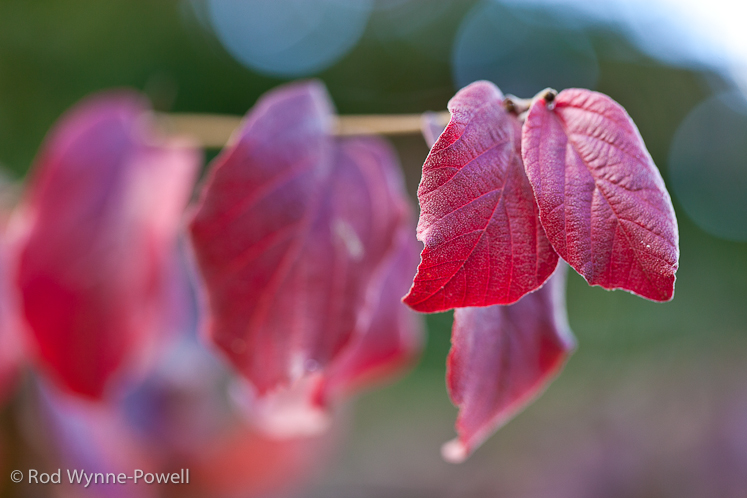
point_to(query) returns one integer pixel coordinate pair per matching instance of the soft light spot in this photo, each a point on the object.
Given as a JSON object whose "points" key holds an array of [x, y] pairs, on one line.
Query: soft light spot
{"points": [[347, 235], [454, 451], [289, 38]]}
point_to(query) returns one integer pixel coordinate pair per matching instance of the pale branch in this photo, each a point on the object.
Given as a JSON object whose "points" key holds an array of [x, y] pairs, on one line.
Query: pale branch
{"points": [[214, 130]]}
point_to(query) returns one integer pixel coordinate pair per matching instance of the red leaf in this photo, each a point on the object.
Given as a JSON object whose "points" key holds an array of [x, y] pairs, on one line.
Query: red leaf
{"points": [[291, 226], [99, 223], [484, 244], [602, 201], [394, 336], [501, 358]]}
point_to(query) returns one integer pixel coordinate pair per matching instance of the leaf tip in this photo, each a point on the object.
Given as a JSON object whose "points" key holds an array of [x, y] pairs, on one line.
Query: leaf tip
{"points": [[667, 294], [424, 305], [412, 302], [285, 413], [454, 451]]}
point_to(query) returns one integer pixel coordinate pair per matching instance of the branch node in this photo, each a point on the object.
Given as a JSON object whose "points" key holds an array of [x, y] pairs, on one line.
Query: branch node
{"points": [[548, 95]]}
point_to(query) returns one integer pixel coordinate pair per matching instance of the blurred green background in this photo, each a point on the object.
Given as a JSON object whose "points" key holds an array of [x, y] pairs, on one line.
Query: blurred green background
{"points": [[653, 403]]}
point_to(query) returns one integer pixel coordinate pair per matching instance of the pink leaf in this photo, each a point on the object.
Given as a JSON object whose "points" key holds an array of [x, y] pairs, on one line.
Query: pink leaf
{"points": [[99, 222], [291, 226], [501, 358], [602, 201], [484, 244]]}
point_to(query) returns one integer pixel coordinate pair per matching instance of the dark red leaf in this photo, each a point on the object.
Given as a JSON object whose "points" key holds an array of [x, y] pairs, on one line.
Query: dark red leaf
{"points": [[291, 226], [483, 240], [501, 358], [99, 222], [602, 201]]}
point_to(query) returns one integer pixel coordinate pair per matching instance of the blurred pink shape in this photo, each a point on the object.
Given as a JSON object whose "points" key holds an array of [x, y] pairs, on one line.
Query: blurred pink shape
{"points": [[394, 335], [77, 435], [95, 231], [295, 234], [179, 418]]}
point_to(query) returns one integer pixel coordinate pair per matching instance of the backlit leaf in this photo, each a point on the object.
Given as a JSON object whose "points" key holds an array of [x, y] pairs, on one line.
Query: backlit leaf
{"points": [[602, 200], [501, 358], [484, 244]]}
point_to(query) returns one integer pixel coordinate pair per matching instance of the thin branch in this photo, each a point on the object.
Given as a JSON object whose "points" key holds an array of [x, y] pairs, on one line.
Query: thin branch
{"points": [[214, 130]]}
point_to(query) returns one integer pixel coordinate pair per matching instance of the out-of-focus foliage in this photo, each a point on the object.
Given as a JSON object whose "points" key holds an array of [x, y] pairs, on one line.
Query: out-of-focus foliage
{"points": [[657, 389]]}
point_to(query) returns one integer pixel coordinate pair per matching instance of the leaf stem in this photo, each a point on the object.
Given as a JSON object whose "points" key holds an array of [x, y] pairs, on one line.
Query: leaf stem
{"points": [[519, 107], [214, 130], [516, 105]]}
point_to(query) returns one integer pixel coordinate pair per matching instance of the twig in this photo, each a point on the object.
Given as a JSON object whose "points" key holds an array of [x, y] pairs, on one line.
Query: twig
{"points": [[214, 130]]}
